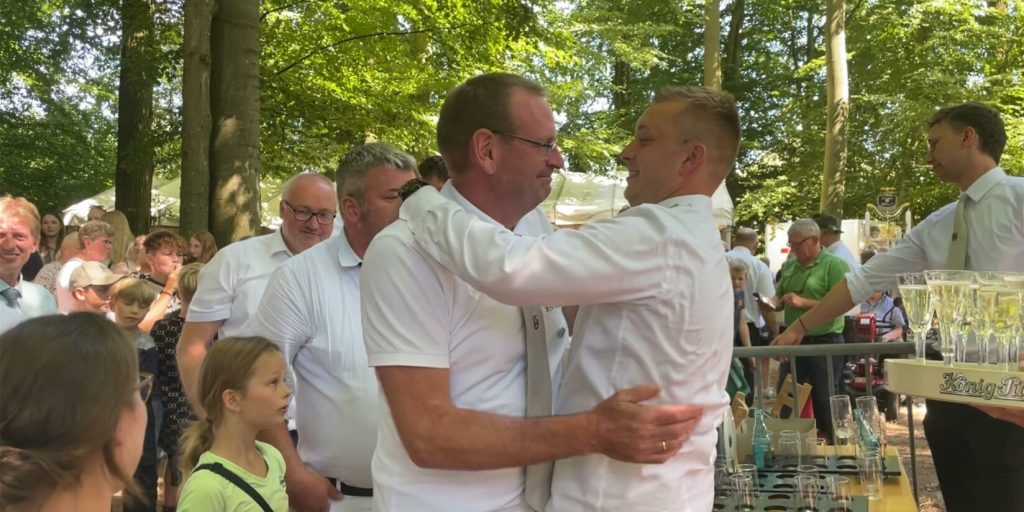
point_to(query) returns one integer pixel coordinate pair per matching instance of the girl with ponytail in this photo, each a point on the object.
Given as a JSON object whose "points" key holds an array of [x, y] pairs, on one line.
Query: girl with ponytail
{"points": [[242, 389], [72, 414]]}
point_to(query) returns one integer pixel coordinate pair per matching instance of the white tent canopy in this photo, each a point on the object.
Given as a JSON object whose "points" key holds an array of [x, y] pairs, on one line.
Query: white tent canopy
{"points": [[575, 199]]}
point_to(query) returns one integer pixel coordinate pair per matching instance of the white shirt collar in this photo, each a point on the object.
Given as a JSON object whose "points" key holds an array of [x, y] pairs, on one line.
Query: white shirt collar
{"points": [[277, 243], [449, 191], [689, 201], [346, 255], [742, 249], [982, 185]]}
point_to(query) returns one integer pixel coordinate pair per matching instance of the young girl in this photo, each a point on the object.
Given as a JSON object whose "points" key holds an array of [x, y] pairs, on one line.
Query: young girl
{"points": [[242, 388], [72, 417], [51, 237], [202, 247]]}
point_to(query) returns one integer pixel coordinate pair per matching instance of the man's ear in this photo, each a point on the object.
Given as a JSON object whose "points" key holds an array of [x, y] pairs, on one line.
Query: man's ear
{"points": [[694, 159], [969, 138], [483, 150], [78, 293], [350, 209]]}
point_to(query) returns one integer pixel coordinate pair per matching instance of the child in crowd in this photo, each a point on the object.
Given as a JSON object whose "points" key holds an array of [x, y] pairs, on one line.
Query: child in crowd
{"points": [[130, 299], [741, 333], [72, 415], [177, 412], [242, 388]]}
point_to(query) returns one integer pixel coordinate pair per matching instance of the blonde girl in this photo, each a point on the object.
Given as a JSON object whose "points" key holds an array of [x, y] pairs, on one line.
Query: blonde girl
{"points": [[242, 389]]}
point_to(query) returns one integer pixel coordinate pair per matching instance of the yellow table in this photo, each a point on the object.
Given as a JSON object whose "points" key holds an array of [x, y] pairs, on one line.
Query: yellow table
{"points": [[896, 493]]}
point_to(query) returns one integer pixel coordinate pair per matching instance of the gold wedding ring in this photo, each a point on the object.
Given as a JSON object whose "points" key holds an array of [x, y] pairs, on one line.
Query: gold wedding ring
{"points": [[664, 447]]}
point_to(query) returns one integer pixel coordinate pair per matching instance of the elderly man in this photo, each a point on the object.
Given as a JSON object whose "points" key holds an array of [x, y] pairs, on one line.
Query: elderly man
{"points": [[979, 457], [636, 277], [831, 228], [19, 238], [90, 287], [806, 278], [760, 282], [95, 241], [231, 284], [311, 308], [459, 369]]}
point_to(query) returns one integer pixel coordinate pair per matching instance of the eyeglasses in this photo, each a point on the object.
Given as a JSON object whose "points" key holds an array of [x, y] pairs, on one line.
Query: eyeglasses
{"points": [[145, 385], [104, 241], [303, 215], [788, 244], [548, 146]]}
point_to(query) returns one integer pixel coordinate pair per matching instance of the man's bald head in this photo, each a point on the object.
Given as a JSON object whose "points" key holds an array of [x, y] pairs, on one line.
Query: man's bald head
{"points": [[745, 237]]}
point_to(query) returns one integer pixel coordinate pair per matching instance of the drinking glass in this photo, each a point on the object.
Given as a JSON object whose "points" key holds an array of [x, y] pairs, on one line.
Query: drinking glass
{"points": [[806, 496], [948, 290], [743, 496], [842, 420], [815, 451], [868, 407], [722, 474], [999, 298], [914, 290], [869, 470], [807, 470], [751, 471], [788, 454], [838, 488]]}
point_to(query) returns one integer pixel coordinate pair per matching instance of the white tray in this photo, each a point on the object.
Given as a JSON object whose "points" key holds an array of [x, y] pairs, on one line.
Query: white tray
{"points": [[961, 382]]}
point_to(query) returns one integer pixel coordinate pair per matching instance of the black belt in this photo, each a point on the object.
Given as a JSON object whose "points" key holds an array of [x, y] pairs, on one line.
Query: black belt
{"points": [[349, 490]]}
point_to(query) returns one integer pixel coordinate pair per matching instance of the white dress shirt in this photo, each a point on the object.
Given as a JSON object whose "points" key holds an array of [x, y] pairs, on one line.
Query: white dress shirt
{"points": [[656, 307], [310, 308], [231, 284], [416, 313], [35, 301], [760, 280], [994, 213]]}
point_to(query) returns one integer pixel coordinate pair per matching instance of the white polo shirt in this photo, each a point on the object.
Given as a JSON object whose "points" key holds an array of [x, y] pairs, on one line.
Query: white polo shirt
{"points": [[416, 313], [759, 280], [994, 212], [310, 309], [655, 307], [231, 284]]}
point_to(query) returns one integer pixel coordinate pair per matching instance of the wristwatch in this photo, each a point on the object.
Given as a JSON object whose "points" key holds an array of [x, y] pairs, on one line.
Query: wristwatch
{"points": [[410, 187]]}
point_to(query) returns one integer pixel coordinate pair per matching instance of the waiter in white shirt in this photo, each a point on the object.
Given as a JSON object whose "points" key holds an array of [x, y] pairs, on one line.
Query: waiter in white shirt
{"points": [[311, 309], [231, 284], [979, 457], [656, 301], [460, 371]]}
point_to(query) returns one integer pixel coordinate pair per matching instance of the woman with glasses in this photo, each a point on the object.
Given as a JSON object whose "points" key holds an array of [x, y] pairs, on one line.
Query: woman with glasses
{"points": [[72, 417]]}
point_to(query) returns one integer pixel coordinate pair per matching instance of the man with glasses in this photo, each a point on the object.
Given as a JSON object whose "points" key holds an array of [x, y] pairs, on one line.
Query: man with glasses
{"points": [[806, 279], [19, 238], [90, 286], [459, 369], [95, 241], [231, 284]]}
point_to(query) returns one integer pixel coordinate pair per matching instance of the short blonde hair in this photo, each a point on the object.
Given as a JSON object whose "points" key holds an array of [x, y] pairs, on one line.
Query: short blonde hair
{"points": [[188, 281], [737, 267], [19, 207], [93, 229], [133, 290]]}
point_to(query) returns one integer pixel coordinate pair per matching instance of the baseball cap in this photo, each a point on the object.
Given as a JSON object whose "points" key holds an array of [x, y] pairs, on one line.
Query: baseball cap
{"points": [[827, 223], [93, 273]]}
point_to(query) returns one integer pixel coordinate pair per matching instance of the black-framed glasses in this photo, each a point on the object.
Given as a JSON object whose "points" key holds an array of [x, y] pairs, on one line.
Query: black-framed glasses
{"points": [[303, 215], [145, 385], [548, 146], [800, 242]]}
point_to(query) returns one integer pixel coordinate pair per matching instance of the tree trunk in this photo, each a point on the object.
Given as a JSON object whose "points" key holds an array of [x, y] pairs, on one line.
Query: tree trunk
{"points": [[195, 143], [712, 45], [134, 168], [622, 78], [838, 110], [733, 46], [235, 112]]}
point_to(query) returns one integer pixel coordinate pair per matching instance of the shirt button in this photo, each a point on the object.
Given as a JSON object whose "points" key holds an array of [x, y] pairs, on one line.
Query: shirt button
{"points": [[561, 332]]}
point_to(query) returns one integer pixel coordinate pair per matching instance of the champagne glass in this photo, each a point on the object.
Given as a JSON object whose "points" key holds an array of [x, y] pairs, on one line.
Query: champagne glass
{"points": [[949, 290], [1000, 300], [914, 290]]}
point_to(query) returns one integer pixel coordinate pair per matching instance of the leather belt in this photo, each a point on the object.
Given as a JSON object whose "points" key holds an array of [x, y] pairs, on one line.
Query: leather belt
{"points": [[350, 490]]}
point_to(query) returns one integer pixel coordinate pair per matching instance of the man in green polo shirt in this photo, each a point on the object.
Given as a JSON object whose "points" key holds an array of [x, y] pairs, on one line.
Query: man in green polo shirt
{"points": [[806, 279]]}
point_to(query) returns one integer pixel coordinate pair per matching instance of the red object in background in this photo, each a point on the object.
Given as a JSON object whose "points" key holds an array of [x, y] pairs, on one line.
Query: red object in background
{"points": [[866, 328]]}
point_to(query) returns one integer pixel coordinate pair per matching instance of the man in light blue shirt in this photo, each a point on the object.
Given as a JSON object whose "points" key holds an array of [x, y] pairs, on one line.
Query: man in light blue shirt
{"points": [[19, 238]]}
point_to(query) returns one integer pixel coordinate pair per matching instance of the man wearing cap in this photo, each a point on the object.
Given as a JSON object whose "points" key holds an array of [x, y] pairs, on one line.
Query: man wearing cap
{"points": [[831, 228], [90, 287], [95, 241], [19, 238]]}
